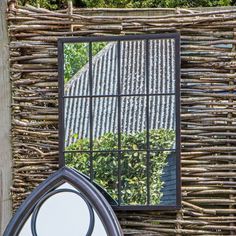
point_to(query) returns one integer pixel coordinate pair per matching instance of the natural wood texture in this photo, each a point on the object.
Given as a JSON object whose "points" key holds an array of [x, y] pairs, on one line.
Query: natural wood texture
{"points": [[5, 123], [208, 114]]}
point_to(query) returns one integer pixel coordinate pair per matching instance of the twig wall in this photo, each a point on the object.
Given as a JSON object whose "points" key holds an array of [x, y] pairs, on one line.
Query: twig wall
{"points": [[208, 106], [5, 123]]}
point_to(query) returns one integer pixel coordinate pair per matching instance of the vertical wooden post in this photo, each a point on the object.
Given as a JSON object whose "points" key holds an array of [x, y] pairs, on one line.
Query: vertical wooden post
{"points": [[70, 13], [5, 123]]}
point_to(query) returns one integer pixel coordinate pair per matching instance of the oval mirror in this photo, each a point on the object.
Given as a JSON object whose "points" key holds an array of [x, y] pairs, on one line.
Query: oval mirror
{"points": [[63, 212]]}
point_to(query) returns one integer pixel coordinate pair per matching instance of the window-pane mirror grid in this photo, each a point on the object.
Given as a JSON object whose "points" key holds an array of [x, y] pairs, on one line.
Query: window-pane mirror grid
{"points": [[120, 110]]}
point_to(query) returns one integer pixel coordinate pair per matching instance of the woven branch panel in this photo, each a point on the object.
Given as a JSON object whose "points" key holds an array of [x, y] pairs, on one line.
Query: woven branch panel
{"points": [[208, 113]]}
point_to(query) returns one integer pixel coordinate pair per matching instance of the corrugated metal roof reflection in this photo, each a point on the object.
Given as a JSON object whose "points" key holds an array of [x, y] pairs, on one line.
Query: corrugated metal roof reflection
{"points": [[132, 63]]}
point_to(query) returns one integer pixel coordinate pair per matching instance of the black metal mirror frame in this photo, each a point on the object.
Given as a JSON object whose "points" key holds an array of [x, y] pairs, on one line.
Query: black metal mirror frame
{"points": [[146, 37], [47, 188], [52, 193]]}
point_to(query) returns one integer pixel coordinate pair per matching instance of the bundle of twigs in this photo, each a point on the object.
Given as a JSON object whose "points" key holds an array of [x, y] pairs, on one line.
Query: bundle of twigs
{"points": [[208, 112]]}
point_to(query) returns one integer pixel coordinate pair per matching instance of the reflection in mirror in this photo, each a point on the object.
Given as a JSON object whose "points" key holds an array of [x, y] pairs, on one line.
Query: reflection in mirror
{"points": [[104, 68], [51, 212], [26, 229], [133, 122], [64, 213], [162, 186], [75, 61], [105, 174], [77, 123], [162, 121], [133, 178], [161, 68], [105, 123], [120, 121], [66, 203], [132, 67]]}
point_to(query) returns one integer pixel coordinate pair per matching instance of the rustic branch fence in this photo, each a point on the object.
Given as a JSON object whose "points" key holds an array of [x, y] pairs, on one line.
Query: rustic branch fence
{"points": [[5, 122], [208, 111]]}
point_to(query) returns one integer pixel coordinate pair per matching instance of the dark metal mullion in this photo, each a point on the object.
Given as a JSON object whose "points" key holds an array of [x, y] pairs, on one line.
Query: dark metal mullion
{"points": [[121, 95], [119, 122], [118, 38], [178, 120], [122, 150], [91, 113], [61, 103], [147, 119]]}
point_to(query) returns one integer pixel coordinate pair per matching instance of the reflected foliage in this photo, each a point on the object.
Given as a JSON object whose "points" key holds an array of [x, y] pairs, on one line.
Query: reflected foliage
{"points": [[133, 163], [76, 56]]}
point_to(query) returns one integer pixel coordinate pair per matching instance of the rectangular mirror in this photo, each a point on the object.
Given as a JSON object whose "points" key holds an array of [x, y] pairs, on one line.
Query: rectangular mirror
{"points": [[120, 116]]}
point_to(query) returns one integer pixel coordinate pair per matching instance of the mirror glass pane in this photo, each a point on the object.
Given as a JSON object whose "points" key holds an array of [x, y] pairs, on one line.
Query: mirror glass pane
{"points": [[26, 229], [161, 67], [104, 68], [76, 124], [120, 117], [105, 172], [50, 215], [105, 123], [132, 67], [162, 178], [62, 214], [76, 58], [134, 122], [133, 178]]}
